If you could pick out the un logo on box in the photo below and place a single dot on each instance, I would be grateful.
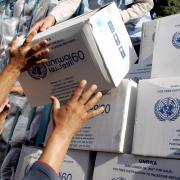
(167, 109)
(176, 40)
(38, 71)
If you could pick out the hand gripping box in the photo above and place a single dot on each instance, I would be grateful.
(157, 122)
(112, 131)
(94, 46)
(77, 164)
(167, 48)
(128, 167)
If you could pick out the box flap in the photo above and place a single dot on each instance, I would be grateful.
(113, 41)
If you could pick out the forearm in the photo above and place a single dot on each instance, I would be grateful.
(65, 9)
(7, 79)
(139, 9)
(56, 149)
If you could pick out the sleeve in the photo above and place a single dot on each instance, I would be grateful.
(139, 9)
(65, 9)
(41, 170)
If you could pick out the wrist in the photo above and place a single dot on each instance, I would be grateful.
(62, 134)
(13, 68)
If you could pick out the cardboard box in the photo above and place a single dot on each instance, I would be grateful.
(147, 42)
(95, 47)
(157, 121)
(140, 71)
(77, 164)
(167, 48)
(129, 167)
(112, 131)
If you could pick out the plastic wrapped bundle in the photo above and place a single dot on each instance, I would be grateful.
(7, 30)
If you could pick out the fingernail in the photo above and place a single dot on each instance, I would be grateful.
(102, 109)
(45, 41)
(84, 82)
(94, 87)
(99, 94)
(47, 50)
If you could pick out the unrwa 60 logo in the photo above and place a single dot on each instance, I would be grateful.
(167, 109)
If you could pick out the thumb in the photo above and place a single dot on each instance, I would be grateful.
(55, 102)
(45, 26)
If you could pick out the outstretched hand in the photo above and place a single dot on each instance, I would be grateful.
(22, 58)
(68, 120)
(76, 113)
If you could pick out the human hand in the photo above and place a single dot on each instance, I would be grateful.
(75, 114)
(44, 24)
(22, 58)
(3, 115)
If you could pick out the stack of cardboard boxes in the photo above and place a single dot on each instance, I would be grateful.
(147, 128)
(156, 133)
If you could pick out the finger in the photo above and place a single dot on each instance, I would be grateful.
(29, 38)
(92, 102)
(85, 97)
(4, 104)
(39, 55)
(5, 112)
(15, 43)
(79, 90)
(36, 27)
(40, 45)
(95, 113)
(42, 61)
(3, 116)
(55, 102)
(34, 49)
(44, 26)
(47, 24)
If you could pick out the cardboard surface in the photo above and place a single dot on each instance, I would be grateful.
(147, 42)
(167, 48)
(129, 167)
(157, 122)
(140, 71)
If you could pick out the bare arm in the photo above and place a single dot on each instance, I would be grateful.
(21, 58)
(68, 121)
(139, 9)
